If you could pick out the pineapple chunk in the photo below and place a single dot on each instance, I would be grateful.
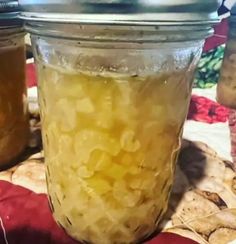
(69, 88)
(104, 120)
(106, 100)
(145, 181)
(85, 105)
(89, 140)
(116, 171)
(70, 202)
(128, 142)
(127, 197)
(125, 96)
(133, 164)
(66, 151)
(65, 143)
(99, 161)
(99, 185)
(83, 172)
(104, 116)
(135, 170)
(66, 115)
(127, 159)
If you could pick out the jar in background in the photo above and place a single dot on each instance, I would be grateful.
(14, 125)
(226, 87)
(115, 82)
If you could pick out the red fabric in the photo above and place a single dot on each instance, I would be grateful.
(168, 238)
(31, 78)
(205, 110)
(219, 37)
(27, 219)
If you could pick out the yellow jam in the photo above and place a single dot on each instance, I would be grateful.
(111, 143)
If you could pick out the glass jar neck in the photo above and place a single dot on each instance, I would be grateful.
(118, 33)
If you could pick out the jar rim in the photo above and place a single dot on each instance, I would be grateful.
(122, 12)
(9, 14)
(134, 20)
(119, 33)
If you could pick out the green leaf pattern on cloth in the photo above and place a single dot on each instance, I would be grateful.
(208, 70)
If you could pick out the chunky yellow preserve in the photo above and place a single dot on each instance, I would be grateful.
(111, 142)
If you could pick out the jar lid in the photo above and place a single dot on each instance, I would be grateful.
(124, 12)
(9, 13)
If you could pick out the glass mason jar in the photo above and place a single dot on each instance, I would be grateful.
(114, 94)
(226, 87)
(14, 125)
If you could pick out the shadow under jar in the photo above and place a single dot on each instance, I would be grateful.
(14, 124)
(114, 90)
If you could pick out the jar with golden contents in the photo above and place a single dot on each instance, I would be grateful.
(14, 125)
(226, 87)
(115, 81)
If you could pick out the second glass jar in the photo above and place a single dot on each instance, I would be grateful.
(14, 123)
(226, 87)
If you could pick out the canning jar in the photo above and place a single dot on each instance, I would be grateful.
(115, 81)
(14, 127)
(226, 87)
